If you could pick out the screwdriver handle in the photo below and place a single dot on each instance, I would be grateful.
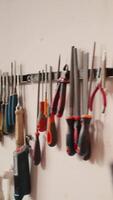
(51, 131)
(42, 119)
(19, 126)
(13, 108)
(77, 127)
(84, 144)
(1, 131)
(37, 152)
(70, 137)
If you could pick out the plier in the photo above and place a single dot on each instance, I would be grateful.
(58, 103)
(100, 87)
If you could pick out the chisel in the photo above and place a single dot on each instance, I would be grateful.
(37, 152)
(51, 127)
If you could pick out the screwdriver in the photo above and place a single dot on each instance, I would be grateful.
(19, 117)
(10, 98)
(37, 152)
(84, 144)
(1, 132)
(51, 127)
(46, 100)
(14, 97)
(7, 127)
(3, 102)
(42, 119)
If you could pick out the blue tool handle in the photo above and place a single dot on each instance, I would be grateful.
(13, 108)
(7, 128)
(9, 110)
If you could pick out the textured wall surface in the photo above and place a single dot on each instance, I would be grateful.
(34, 32)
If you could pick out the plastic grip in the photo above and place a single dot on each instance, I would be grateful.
(13, 108)
(9, 110)
(37, 152)
(84, 145)
(70, 137)
(51, 131)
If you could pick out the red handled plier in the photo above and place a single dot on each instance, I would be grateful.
(58, 103)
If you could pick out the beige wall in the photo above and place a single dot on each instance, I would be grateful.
(34, 33)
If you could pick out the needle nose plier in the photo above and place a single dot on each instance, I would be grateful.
(100, 87)
(58, 103)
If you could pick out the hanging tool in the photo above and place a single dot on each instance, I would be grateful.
(7, 127)
(100, 87)
(37, 152)
(70, 120)
(42, 119)
(10, 99)
(58, 103)
(58, 70)
(1, 132)
(3, 101)
(51, 127)
(46, 100)
(84, 144)
(14, 98)
(19, 113)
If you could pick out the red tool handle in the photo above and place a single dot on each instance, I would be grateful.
(51, 131)
(42, 119)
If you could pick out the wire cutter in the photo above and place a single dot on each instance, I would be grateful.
(58, 103)
(100, 87)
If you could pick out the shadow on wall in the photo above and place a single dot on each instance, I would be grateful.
(97, 142)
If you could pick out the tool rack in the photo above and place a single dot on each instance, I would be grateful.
(34, 78)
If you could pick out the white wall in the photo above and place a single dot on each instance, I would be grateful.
(34, 33)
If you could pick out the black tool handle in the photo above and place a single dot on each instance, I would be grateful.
(70, 137)
(37, 152)
(84, 144)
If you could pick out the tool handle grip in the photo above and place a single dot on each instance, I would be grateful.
(70, 137)
(37, 152)
(42, 119)
(13, 108)
(7, 128)
(9, 110)
(51, 131)
(77, 127)
(84, 144)
(46, 108)
(56, 99)
(61, 103)
(19, 126)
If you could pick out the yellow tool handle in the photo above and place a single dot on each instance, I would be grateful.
(19, 126)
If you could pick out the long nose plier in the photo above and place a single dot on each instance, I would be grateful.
(100, 87)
